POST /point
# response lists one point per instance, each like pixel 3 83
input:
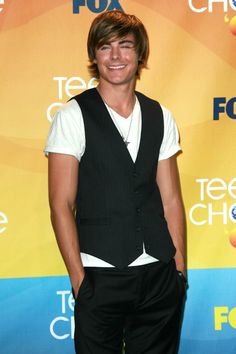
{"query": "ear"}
pixel 95 61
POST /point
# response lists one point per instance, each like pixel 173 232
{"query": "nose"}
pixel 115 53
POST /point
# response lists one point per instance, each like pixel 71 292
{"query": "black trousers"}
pixel 139 308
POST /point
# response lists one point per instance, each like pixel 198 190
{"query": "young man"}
pixel 115 200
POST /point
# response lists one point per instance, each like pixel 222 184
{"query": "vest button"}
pixel 138 229
pixel 135 174
pixel 138 210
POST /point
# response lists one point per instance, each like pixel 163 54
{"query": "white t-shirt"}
pixel 67 136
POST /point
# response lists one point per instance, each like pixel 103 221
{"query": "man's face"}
pixel 117 60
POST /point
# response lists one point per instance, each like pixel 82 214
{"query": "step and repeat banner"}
pixel 192 72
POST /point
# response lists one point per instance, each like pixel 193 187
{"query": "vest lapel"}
pixel 149 136
pixel 110 132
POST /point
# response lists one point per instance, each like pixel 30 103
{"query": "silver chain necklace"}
pixel 125 138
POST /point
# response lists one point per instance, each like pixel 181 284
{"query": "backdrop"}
pixel 192 72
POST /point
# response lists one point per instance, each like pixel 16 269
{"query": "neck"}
pixel 120 99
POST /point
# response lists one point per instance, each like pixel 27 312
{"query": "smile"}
pixel 116 67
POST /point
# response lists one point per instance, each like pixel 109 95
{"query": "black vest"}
pixel 118 202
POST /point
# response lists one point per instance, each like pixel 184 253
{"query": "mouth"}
pixel 116 67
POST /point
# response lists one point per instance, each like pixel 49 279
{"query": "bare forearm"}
pixel 169 185
pixel 64 226
pixel 175 216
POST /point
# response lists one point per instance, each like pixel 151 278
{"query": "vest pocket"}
pixel 94 221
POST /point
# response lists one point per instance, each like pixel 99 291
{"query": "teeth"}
pixel 116 67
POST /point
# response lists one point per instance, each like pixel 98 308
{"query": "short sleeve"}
pixel 170 143
pixel 66 134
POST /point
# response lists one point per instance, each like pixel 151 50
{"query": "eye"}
pixel 105 47
pixel 129 46
pixel 126 44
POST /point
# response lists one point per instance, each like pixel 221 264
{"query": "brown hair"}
pixel 117 24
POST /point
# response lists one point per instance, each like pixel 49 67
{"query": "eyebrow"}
pixel 122 41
